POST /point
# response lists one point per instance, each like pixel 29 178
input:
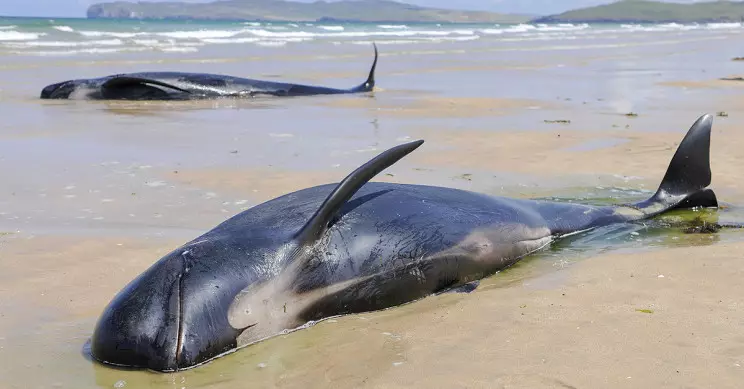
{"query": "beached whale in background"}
pixel 351 247
pixel 187 86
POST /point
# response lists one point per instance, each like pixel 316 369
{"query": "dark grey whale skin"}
pixel 187 86
pixel 356 246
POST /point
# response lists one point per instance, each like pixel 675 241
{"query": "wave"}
pixel 188 39
pixel 200 34
pixel 228 40
pixel 147 42
pixel 253 40
pixel 719 26
pixel 79 51
pixel 20 36
pixel 681 27
pixel 51 53
pixel 562 27
pixel 96 34
pixel 333 31
pixel 332 28
pixel 107 42
pixel 355 34
pixel 179 49
pixel 415 40
pixel 520 28
pixel 271 43
pixel 63 28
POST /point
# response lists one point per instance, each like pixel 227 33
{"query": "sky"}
pixel 76 8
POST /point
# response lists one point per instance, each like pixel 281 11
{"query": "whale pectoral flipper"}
pixel 688 175
pixel 119 87
pixel 319 222
pixel 470 287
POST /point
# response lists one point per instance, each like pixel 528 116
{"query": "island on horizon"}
pixel 373 11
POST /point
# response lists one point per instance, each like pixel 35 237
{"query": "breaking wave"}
pixel 83 37
pixel 6 35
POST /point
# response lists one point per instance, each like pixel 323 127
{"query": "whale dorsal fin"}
pixel 319 222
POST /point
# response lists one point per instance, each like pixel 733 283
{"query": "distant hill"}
pixel 291 11
pixel 641 11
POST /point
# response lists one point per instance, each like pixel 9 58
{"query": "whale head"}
pixel 175 315
pixel 60 90
pixel 72 89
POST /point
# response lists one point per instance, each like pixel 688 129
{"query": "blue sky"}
pixel 76 8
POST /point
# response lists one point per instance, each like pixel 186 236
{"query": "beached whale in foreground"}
pixel 351 247
pixel 187 86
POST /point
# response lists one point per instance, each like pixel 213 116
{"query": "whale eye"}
pixel 247 311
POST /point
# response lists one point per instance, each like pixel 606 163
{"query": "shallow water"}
pixel 94 192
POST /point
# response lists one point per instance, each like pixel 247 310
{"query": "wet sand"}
pixel 96 192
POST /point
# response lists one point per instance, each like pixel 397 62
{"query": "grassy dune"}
pixel 641 11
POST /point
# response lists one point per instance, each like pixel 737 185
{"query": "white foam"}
pixel 332 28
pixel 562 27
pixel 20 36
pixel 520 28
pixel 271 43
pixel 356 34
pixel 63 28
pixel 230 40
pixel 661 27
pixel 179 49
pixel 385 42
pixel 95 34
pixel 200 34
pixel 101 50
pixel 720 26
pixel 147 42
pixel 393 26
pixel 414 40
pixel 186 39
pixel 106 42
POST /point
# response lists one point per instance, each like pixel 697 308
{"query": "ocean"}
pixel 70 37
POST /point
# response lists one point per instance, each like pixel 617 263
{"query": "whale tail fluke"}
pixel 368 85
pixel 688 175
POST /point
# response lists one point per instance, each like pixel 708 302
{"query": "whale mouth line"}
pixel 179 334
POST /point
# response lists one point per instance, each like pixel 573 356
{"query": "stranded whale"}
pixel 187 86
pixel 351 247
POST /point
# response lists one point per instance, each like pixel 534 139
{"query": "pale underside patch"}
pixel 272 308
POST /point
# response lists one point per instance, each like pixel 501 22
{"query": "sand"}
pixel 94 193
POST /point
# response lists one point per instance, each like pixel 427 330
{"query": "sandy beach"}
pixel 94 192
